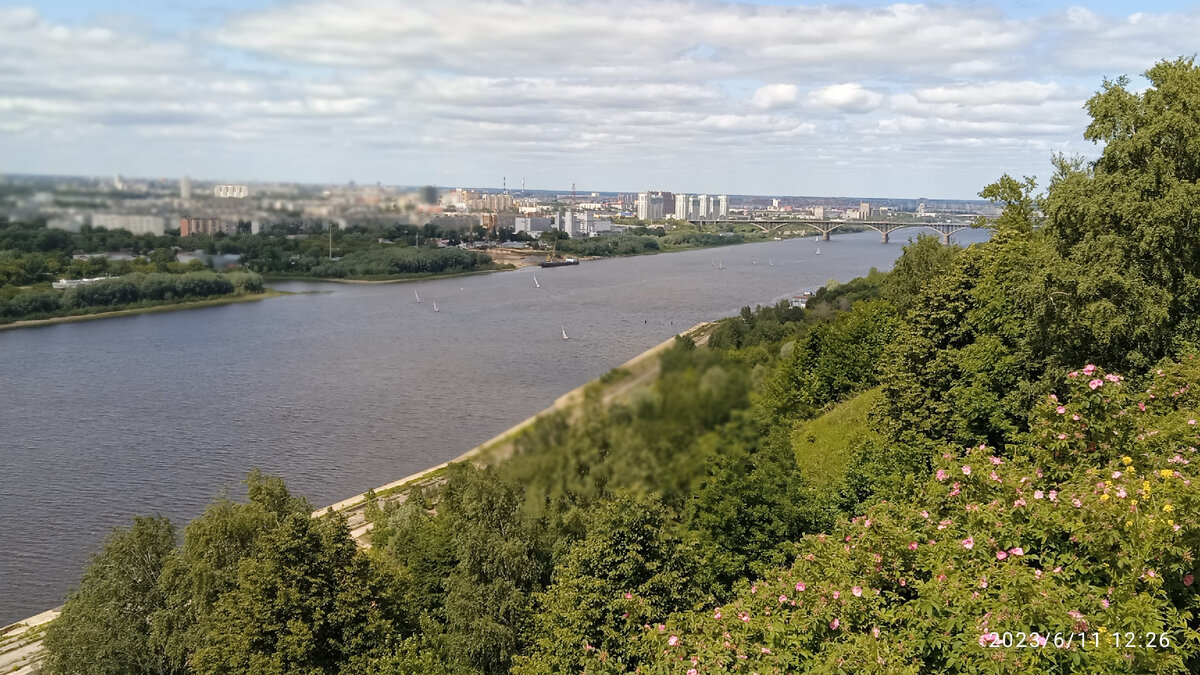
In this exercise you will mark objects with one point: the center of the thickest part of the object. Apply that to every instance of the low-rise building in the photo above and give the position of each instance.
(136, 224)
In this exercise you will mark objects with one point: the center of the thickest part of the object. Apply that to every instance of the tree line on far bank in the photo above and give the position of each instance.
(126, 292)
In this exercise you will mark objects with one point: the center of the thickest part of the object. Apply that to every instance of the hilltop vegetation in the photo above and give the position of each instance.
(1022, 469)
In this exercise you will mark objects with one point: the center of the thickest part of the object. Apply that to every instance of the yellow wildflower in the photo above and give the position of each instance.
(1104, 497)
(1129, 523)
(1166, 473)
(1167, 508)
(1127, 459)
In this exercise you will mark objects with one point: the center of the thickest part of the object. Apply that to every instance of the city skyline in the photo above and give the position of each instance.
(755, 98)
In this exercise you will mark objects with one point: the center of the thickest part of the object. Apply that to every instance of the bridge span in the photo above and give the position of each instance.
(825, 227)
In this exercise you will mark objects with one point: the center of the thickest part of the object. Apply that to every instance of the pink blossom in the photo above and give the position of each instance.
(1188, 579)
(1017, 551)
(1089, 369)
(628, 596)
(1104, 603)
(1058, 570)
(944, 524)
(1053, 495)
(941, 474)
(954, 490)
(966, 469)
(1075, 418)
(1037, 574)
(1054, 397)
(1038, 494)
(1062, 437)
(995, 477)
(968, 543)
(673, 640)
(1076, 503)
(867, 522)
(875, 631)
(753, 588)
(1019, 503)
(924, 513)
(1142, 407)
(1112, 377)
(1001, 555)
(1073, 374)
(987, 639)
(983, 582)
(717, 614)
(766, 650)
(912, 545)
(692, 671)
(837, 595)
(1192, 422)
(800, 586)
(857, 591)
(744, 616)
(1175, 527)
(1060, 409)
(1039, 640)
(782, 599)
(1095, 384)
(834, 624)
(996, 461)
(1117, 474)
(1121, 493)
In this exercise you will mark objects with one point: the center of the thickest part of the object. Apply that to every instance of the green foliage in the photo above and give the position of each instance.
(132, 290)
(106, 625)
(255, 587)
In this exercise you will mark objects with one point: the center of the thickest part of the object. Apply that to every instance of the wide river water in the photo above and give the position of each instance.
(339, 389)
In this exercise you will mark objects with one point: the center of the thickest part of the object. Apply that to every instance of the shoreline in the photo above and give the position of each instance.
(173, 307)
(634, 372)
(20, 641)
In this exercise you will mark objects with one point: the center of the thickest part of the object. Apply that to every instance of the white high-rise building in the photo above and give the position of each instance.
(185, 188)
(682, 204)
(650, 206)
(231, 191)
(703, 206)
(723, 206)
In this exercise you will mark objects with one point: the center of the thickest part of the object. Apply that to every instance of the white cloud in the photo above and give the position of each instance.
(847, 97)
(417, 88)
(775, 95)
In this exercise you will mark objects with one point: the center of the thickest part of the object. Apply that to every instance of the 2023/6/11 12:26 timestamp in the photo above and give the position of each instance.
(1082, 640)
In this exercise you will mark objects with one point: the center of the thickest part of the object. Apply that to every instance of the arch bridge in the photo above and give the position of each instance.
(825, 227)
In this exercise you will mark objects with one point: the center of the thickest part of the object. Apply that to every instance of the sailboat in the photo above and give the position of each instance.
(418, 296)
(721, 265)
(770, 263)
(816, 239)
(818, 251)
(564, 331)
(435, 306)
(535, 283)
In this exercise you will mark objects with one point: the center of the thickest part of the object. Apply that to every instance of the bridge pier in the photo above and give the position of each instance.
(946, 229)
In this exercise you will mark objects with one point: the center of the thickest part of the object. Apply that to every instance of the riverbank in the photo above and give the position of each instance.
(175, 306)
(615, 385)
(20, 642)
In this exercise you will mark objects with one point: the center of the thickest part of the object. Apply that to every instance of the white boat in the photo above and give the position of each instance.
(418, 296)
(435, 306)
(535, 283)
(564, 331)
(816, 239)
(721, 266)
(818, 251)
(754, 262)
(770, 263)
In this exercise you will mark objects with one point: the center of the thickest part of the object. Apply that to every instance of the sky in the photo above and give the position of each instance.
(749, 97)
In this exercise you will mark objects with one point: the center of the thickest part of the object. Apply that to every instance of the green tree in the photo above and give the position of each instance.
(107, 625)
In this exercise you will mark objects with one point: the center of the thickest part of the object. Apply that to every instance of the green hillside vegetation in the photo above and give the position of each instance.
(1004, 435)
(825, 444)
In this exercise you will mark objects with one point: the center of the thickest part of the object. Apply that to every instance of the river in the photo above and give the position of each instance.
(338, 389)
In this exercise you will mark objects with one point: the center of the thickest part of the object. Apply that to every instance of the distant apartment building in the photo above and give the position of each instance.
(650, 206)
(533, 224)
(209, 226)
(864, 210)
(703, 206)
(185, 188)
(723, 206)
(231, 191)
(582, 223)
(683, 204)
(136, 224)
